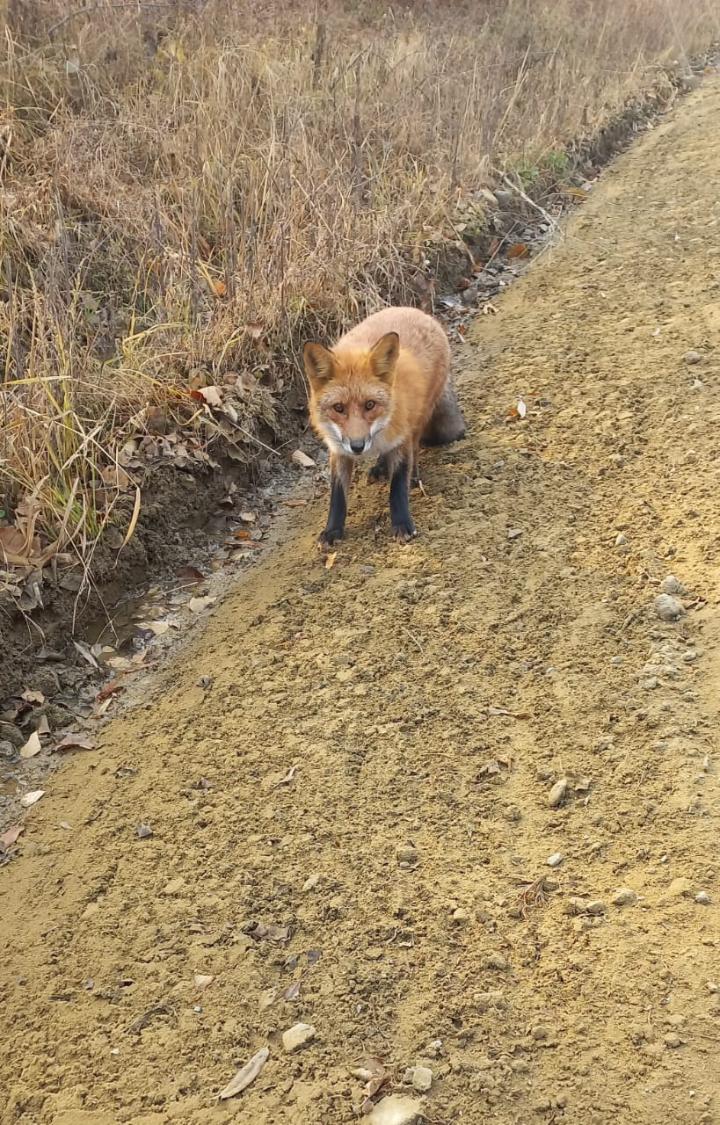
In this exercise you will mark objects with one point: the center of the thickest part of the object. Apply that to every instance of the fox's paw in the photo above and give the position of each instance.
(404, 532)
(329, 536)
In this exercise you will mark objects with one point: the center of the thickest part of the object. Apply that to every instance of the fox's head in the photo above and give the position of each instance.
(351, 393)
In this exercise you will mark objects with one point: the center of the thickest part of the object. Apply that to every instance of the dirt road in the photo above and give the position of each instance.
(352, 820)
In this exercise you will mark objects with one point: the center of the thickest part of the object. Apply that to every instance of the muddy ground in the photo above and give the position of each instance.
(351, 784)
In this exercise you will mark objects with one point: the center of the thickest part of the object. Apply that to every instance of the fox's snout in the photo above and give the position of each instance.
(357, 445)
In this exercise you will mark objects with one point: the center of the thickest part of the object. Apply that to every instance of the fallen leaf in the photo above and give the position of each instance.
(287, 778)
(110, 689)
(330, 560)
(202, 980)
(133, 519)
(295, 503)
(10, 835)
(518, 250)
(292, 992)
(211, 395)
(302, 459)
(241, 533)
(156, 627)
(32, 746)
(31, 798)
(190, 574)
(521, 408)
(197, 605)
(86, 654)
(76, 742)
(33, 696)
(43, 726)
(246, 1074)
(219, 288)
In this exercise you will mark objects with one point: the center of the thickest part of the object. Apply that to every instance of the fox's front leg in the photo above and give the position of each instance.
(400, 518)
(340, 476)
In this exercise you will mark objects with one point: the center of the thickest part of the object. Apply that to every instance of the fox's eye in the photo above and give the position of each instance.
(369, 405)
(339, 408)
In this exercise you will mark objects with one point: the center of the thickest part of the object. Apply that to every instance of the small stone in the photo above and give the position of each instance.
(621, 539)
(7, 750)
(689, 656)
(668, 608)
(460, 917)
(434, 1049)
(514, 533)
(672, 585)
(143, 831)
(673, 1040)
(407, 855)
(496, 961)
(649, 683)
(174, 886)
(395, 1110)
(624, 897)
(421, 1078)
(555, 859)
(703, 898)
(311, 882)
(540, 1034)
(617, 660)
(596, 906)
(680, 888)
(297, 1036)
(556, 796)
(692, 358)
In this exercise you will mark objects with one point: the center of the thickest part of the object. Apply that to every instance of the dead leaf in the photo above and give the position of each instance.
(330, 560)
(133, 519)
(518, 250)
(197, 605)
(287, 778)
(76, 742)
(245, 1075)
(295, 503)
(32, 746)
(248, 517)
(109, 690)
(521, 408)
(10, 836)
(292, 992)
(219, 288)
(202, 980)
(302, 459)
(211, 395)
(33, 696)
(190, 574)
(31, 798)
(43, 726)
(156, 627)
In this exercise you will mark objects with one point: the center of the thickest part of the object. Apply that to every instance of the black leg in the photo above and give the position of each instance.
(379, 470)
(400, 518)
(339, 483)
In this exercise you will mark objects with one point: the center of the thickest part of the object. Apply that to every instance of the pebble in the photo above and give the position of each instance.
(556, 796)
(143, 831)
(624, 897)
(395, 1110)
(421, 1077)
(703, 898)
(460, 916)
(673, 1040)
(434, 1048)
(496, 961)
(596, 906)
(297, 1036)
(649, 683)
(555, 859)
(672, 585)
(689, 656)
(692, 357)
(621, 539)
(617, 660)
(174, 886)
(514, 533)
(406, 854)
(668, 608)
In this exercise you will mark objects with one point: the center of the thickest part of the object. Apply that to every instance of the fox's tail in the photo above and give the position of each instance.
(446, 422)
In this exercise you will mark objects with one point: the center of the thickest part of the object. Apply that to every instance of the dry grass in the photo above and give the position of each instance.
(189, 188)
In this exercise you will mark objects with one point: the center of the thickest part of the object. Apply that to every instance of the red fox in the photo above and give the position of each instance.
(382, 391)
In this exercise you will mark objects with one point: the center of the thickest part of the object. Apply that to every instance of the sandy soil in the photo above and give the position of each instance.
(348, 777)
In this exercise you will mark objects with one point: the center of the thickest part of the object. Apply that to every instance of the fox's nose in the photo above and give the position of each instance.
(357, 446)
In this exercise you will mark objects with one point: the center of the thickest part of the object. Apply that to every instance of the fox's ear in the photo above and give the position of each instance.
(319, 364)
(383, 356)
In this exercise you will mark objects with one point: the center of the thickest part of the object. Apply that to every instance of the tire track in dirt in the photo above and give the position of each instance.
(399, 853)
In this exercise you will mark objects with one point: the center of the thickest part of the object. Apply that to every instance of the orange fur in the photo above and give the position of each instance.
(382, 388)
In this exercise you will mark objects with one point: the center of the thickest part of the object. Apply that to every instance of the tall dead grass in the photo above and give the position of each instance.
(188, 188)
